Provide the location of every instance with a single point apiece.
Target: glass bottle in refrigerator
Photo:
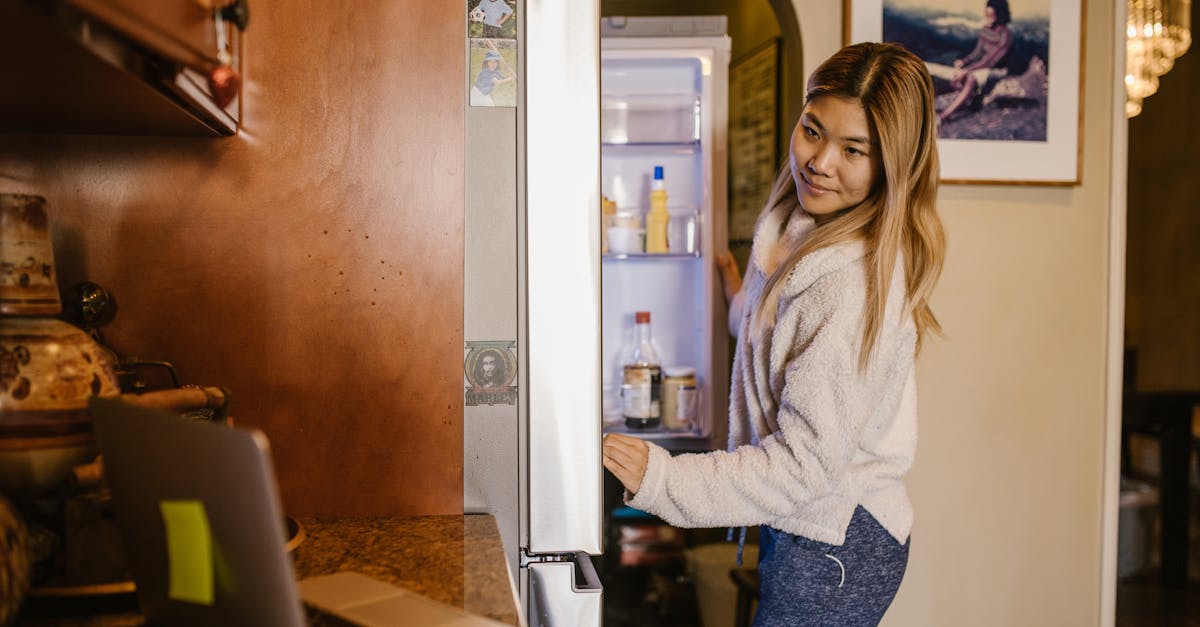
(641, 392)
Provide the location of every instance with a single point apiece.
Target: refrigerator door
(562, 156)
(564, 593)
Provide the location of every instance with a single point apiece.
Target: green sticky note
(189, 551)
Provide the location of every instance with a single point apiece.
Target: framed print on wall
(753, 136)
(1007, 80)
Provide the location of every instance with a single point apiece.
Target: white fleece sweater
(811, 436)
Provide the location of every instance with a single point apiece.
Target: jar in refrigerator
(679, 397)
(626, 236)
(641, 394)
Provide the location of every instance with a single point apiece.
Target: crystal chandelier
(1156, 33)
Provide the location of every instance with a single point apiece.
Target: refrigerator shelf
(648, 256)
(660, 433)
(650, 118)
(643, 148)
(612, 100)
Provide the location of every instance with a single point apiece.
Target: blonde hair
(899, 214)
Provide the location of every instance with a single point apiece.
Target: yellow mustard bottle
(657, 218)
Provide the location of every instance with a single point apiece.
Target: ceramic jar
(28, 283)
(48, 368)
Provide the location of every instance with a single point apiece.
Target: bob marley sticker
(490, 368)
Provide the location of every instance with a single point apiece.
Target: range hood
(100, 67)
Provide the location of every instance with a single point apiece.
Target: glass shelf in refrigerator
(632, 149)
(658, 433)
(649, 256)
(650, 118)
(624, 234)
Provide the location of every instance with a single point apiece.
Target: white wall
(1009, 477)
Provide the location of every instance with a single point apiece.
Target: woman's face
(834, 158)
(989, 16)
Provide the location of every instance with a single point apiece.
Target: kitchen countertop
(457, 560)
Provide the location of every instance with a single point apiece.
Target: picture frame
(753, 136)
(1011, 96)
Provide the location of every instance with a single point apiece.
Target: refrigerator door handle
(565, 593)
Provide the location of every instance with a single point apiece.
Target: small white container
(631, 219)
(626, 240)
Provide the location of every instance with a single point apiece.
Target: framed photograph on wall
(1007, 79)
(753, 136)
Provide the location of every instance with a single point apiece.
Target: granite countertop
(456, 560)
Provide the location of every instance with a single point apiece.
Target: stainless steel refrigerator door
(562, 134)
(564, 594)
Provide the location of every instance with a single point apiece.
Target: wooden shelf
(78, 75)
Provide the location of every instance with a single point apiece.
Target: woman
(822, 405)
(985, 64)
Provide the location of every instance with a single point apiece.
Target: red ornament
(224, 84)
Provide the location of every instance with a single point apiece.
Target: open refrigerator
(663, 104)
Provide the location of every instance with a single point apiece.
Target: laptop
(203, 531)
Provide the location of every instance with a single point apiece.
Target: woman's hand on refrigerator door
(731, 277)
(626, 458)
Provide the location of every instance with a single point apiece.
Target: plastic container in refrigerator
(683, 232)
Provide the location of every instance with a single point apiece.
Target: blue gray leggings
(805, 582)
